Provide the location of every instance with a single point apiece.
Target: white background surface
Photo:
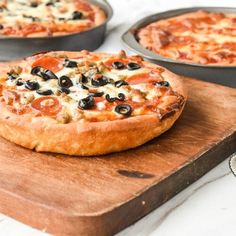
(205, 208)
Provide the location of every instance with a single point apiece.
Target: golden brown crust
(197, 37)
(43, 134)
(87, 139)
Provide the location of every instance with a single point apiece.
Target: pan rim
(130, 41)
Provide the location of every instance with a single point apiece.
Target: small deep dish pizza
(83, 103)
(198, 37)
(42, 18)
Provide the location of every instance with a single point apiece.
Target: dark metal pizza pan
(19, 47)
(225, 75)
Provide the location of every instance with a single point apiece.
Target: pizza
(42, 18)
(198, 37)
(84, 103)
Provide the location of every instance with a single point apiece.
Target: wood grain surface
(100, 196)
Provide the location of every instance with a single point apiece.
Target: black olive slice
(86, 103)
(162, 83)
(84, 87)
(1, 27)
(64, 90)
(43, 73)
(133, 66)
(70, 64)
(110, 99)
(83, 79)
(97, 94)
(65, 81)
(121, 97)
(19, 82)
(36, 70)
(34, 4)
(100, 81)
(32, 85)
(118, 65)
(123, 109)
(44, 92)
(77, 15)
(120, 83)
(50, 3)
(47, 74)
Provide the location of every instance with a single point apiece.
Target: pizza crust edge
(44, 134)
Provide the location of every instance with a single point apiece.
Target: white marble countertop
(207, 207)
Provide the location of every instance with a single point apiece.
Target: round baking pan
(225, 75)
(18, 47)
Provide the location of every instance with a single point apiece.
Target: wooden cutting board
(100, 196)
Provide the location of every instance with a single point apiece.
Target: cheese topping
(88, 89)
(199, 37)
(47, 17)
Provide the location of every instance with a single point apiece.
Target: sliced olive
(1, 27)
(118, 65)
(47, 74)
(32, 85)
(76, 15)
(44, 92)
(19, 82)
(123, 109)
(65, 81)
(50, 3)
(43, 73)
(34, 4)
(97, 94)
(109, 98)
(86, 103)
(120, 83)
(121, 97)
(84, 87)
(162, 83)
(133, 66)
(61, 18)
(70, 64)
(83, 79)
(100, 81)
(64, 90)
(36, 70)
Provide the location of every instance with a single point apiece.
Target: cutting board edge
(54, 221)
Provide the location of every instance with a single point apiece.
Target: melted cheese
(134, 93)
(19, 13)
(200, 37)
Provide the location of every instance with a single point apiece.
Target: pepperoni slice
(143, 78)
(50, 63)
(47, 105)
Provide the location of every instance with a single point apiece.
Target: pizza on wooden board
(42, 18)
(198, 37)
(84, 103)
